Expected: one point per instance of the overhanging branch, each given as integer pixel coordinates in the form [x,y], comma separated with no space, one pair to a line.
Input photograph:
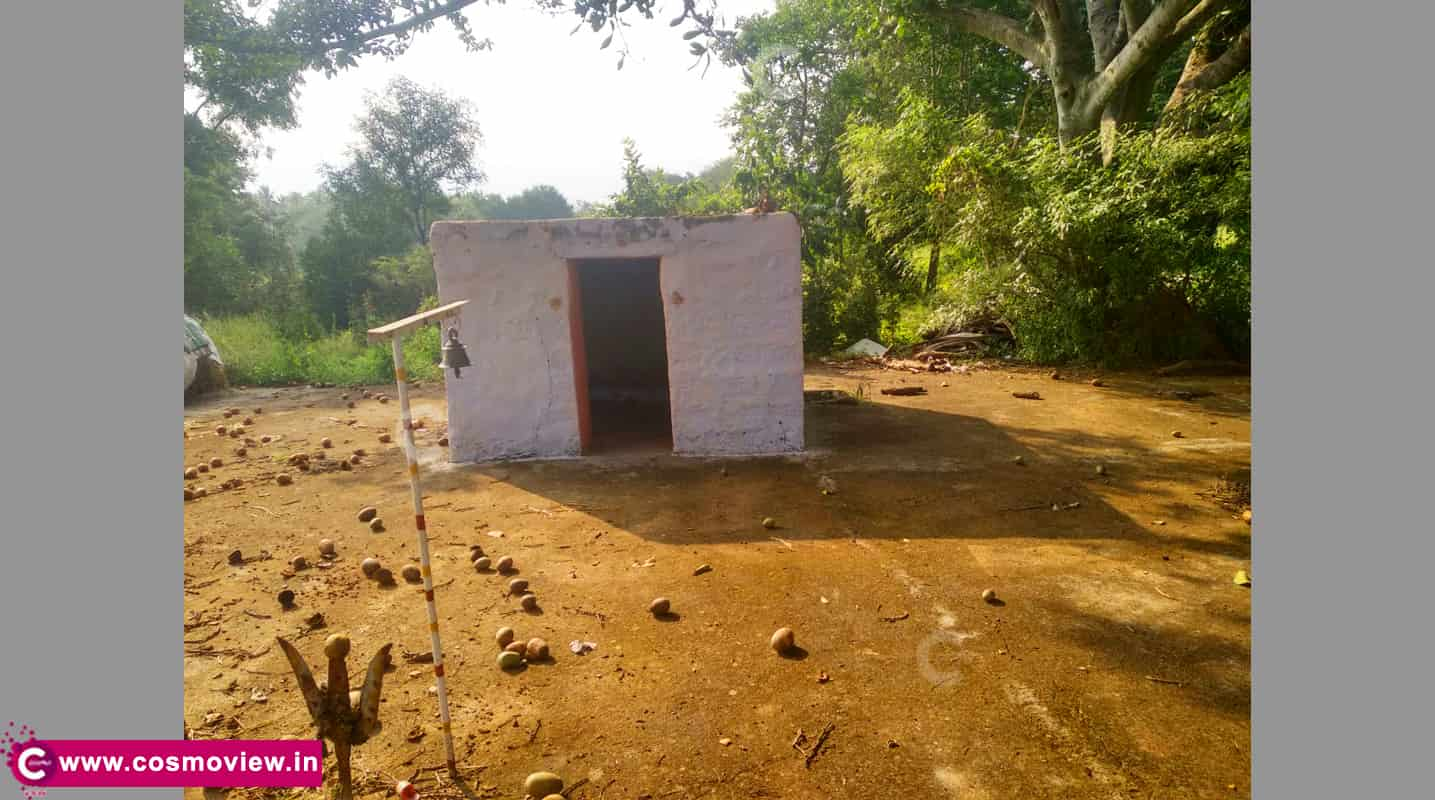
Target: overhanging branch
[396,29]
[1003,30]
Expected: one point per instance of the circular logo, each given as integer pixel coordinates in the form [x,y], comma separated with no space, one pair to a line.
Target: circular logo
[33,763]
[931,672]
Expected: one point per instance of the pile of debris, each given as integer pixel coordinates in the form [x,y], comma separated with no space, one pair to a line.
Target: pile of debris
[975,338]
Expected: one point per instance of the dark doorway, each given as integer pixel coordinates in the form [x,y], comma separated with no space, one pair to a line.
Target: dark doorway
[621,354]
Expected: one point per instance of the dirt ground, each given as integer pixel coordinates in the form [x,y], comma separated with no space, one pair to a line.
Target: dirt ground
[1116,663]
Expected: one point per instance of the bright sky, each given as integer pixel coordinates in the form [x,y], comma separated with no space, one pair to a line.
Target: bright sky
[552,108]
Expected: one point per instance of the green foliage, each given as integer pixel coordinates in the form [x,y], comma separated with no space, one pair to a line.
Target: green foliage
[535,202]
[258,352]
[655,193]
[1145,260]
[415,146]
[235,251]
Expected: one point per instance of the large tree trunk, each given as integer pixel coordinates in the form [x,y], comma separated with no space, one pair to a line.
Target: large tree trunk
[1067,67]
[1101,55]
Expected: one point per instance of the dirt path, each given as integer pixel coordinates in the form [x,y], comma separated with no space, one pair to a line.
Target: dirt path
[1118,664]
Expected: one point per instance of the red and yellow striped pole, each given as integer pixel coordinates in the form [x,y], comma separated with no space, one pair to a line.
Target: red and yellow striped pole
[412,456]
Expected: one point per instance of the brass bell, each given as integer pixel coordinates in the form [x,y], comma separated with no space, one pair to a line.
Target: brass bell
[454,356]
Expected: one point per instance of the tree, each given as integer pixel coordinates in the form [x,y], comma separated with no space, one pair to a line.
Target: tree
[889,171]
[236,255]
[1102,57]
[416,145]
[535,202]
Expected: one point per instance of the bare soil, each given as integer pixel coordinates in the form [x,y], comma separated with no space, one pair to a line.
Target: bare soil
[1115,663]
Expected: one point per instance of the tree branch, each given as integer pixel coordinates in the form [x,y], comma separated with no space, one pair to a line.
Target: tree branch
[396,29]
[1197,17]
[353,42]
[1001,29]
[1134,13]
[1144,46]
[1230,64]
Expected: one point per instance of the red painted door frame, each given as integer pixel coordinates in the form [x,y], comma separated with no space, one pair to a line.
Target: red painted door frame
[580,356]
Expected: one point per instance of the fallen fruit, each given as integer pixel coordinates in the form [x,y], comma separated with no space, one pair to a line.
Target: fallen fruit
[411,573]
[266,439]
[529,602]
[660,606]
[443,441]
[188,494]
[406,791]
[542,784]
[354,460]
[1246,516]
[370,566]
[191,474]
[236,558]
[220,430]
[516,647]
[360,452]
[346,466]
[783,640]
[376,525]
[385,438]
[1100,469]
[1018,460]
[326,548]
[286,598]
[482,563]
[283,479]
[505,564]
[1177,435]
[517,586]
[988,595]
[536,650]
[299,562]
[504,637]
[336,646]
[326,442]
[203,467]
[1242,578]
[367,513]
[769,523]
[201,492]
[240,452]
[384,576]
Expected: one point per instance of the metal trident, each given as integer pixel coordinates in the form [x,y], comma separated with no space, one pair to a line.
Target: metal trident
[343,717]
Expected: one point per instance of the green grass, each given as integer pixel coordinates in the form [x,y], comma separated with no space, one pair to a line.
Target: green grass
[256,353]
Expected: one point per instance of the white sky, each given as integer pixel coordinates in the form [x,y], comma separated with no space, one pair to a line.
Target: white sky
[552,108]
